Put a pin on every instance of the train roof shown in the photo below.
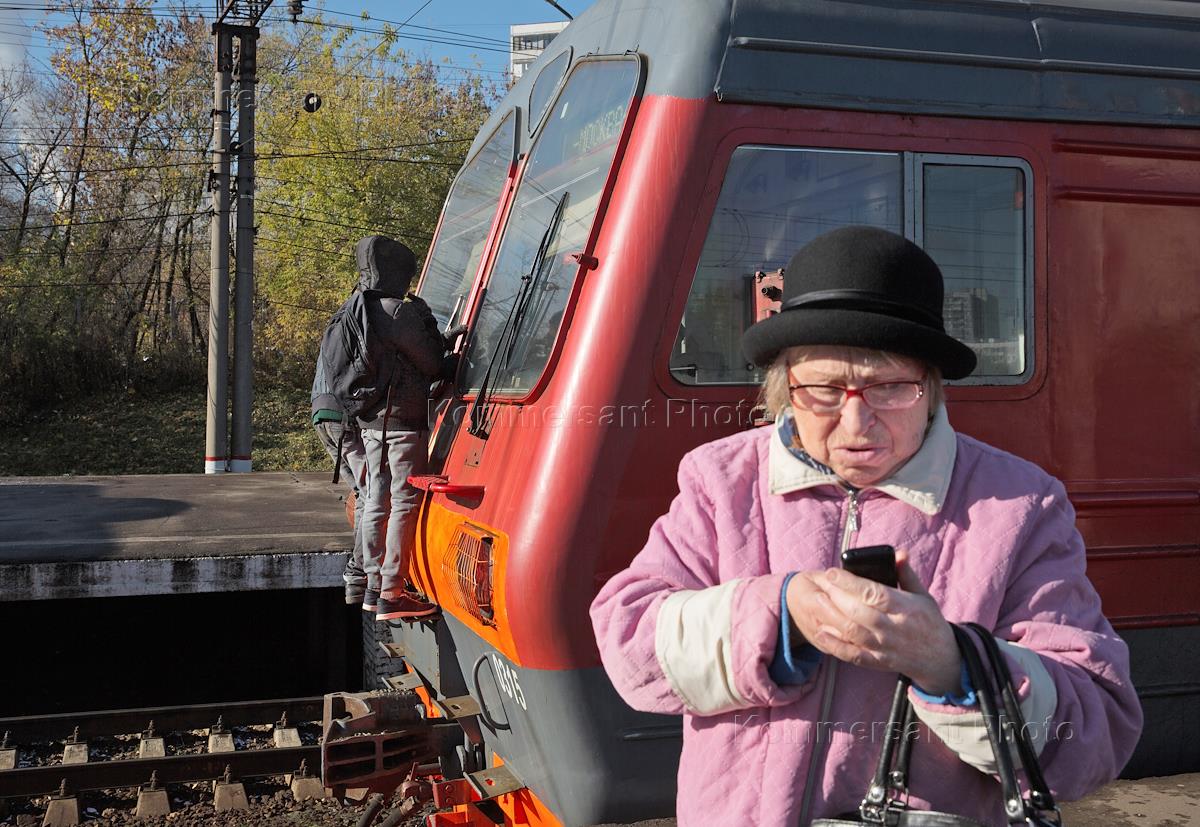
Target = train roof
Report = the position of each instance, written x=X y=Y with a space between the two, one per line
x=1106 y=61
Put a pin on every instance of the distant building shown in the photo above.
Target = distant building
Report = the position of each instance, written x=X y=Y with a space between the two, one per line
x=1002 y=358
x=972 y=315
x=528 y=41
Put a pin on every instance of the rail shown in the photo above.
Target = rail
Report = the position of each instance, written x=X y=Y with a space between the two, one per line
x=165 y=718
x=31 y=732
x=173 y=769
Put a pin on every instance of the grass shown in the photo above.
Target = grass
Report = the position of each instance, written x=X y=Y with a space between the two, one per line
x=158 y=431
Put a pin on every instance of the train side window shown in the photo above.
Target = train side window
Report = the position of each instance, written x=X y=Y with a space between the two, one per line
x=971 y=217
x=969 y=212
x=467 y=217
x=772 y=202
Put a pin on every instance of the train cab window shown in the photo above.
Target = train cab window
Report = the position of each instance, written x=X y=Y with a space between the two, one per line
x=553 y=209
x=773 y=201
x=968 y=212
x=544 y=88
x=470 y=209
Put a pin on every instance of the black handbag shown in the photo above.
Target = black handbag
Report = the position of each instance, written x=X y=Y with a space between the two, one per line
x=885 y=801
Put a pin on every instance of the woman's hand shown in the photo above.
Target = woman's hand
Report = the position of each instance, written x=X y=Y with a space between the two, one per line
x=867 y=624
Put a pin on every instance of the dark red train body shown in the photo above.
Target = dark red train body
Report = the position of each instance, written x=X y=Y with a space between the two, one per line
x=602 y=243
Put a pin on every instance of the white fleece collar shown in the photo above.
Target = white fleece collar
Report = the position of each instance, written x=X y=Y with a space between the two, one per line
x=922 y=482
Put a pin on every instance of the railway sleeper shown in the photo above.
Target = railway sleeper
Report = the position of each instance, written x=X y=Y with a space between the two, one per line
x=229 y=794
x=8 y=755
x=152 y=800
x=78 y=773
x=75 y=751
x=30 y=782
x=305 y=786
x=220 y=739
x=62 y=810
x=151 y=745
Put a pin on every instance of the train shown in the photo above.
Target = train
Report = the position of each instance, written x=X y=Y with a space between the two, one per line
x=626 y=212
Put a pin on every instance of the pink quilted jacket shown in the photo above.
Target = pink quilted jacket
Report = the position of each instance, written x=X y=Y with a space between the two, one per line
x=992 y=537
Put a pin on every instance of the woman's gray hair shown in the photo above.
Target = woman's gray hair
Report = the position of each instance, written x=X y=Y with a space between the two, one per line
x=775 y=395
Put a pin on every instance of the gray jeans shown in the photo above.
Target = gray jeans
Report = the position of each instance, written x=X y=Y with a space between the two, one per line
x=354 y=476
x=389 y=523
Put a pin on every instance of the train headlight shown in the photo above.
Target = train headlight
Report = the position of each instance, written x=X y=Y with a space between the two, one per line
x=467 y=567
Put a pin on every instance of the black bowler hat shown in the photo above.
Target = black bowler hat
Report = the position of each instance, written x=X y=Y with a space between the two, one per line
x=862 y=287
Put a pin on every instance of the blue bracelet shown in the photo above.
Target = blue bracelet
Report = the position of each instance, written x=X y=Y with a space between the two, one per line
x=790 y=668
x=967 y=698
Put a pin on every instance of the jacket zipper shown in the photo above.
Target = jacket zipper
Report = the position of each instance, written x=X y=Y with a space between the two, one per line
x=818 y=757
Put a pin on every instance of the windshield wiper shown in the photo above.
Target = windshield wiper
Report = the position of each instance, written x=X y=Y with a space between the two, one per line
x=482 y=412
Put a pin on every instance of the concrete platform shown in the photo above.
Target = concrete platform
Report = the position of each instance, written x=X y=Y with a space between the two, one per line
x=66 y=537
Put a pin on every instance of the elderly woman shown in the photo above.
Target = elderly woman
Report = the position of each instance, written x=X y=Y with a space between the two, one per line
x=737 y=614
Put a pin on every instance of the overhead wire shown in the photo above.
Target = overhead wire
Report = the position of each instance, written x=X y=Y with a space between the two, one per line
x=326 y=311
x=283 y=243
x=384 y=41
x=482 y=38
x=104 y=221
x=418 y=38
x=462 y=39
x=78 y=284
x=303 y=218
x=318 y=152
x=280 y=157
x=388 y=218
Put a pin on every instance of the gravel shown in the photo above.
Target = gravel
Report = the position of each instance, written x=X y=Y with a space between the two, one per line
x=270 y=799
x=271 y=805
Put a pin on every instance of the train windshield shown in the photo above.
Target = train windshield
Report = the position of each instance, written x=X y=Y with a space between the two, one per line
x=552 y=214
x=468 y=216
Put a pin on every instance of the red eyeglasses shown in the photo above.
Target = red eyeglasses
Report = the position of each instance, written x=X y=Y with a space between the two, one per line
x=881 y=396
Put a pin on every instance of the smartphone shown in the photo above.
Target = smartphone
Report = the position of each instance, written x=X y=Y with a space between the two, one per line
x=876 y=563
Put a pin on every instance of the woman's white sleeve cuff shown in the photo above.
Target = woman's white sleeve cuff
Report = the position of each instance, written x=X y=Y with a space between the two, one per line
x=965 y=732
x=694 y=646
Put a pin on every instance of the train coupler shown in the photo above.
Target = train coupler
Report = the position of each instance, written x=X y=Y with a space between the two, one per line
x=372 y=740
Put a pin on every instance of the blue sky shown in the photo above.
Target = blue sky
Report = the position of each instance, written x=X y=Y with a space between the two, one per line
x=479 y=26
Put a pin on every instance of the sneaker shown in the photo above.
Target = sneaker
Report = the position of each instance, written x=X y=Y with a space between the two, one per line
x=404 y=606
x=370 y=601
x=355 y=593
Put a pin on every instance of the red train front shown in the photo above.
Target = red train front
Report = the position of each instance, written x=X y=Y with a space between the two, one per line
x=619 y=223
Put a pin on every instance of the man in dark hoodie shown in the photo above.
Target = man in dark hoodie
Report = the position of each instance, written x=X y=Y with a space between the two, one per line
x=395 y=432
x=344 y=444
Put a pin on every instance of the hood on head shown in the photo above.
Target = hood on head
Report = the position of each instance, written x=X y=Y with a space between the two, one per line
x=384 y=265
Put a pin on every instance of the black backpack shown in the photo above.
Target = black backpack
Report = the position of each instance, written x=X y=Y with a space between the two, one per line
x=357 y=369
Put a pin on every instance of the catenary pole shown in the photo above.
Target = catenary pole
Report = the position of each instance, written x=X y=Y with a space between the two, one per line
x=216 y=446
x=243 y=297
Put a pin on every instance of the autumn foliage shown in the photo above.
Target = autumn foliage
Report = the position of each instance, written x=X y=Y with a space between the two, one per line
x=104 y=206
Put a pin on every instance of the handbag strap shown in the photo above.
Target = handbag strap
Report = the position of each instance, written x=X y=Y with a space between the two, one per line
x=1017 y=730
x=985 y=691
x=899 y=776
x=873 y=807
x=891 y=772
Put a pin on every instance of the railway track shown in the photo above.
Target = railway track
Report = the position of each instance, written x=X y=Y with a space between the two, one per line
x=161 y=760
